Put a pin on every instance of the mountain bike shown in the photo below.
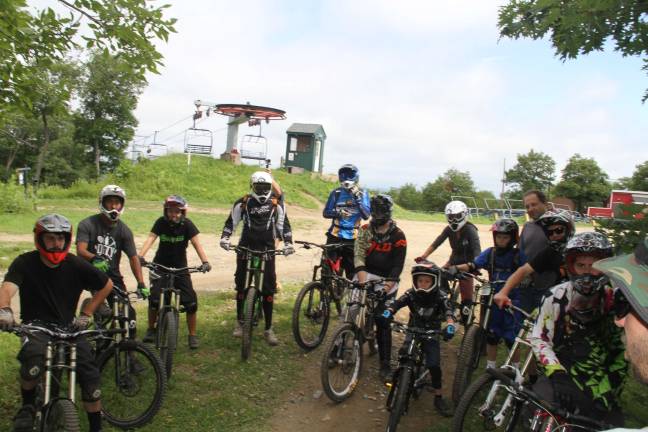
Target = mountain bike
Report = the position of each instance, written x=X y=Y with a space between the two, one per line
x=474 y=339
x=132 y=375
x=547 y=417
x=253 y=299
x=56 y=412
x=486 y=405
x=312 y=309
x=342 y=360
x=411 y=375
x=168 y=313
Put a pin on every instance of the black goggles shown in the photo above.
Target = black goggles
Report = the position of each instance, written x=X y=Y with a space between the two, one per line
x=622 y=306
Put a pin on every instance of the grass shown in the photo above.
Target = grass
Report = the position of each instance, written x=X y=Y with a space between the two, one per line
x=211 y=388
x=10 y=250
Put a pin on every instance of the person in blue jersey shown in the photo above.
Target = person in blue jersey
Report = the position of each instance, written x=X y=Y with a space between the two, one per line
x=500 y=261
x=347 y=206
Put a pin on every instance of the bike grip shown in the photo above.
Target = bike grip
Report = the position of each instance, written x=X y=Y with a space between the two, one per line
x=386 y=313
x=115 y=331
x=497 y=373
x=450 y=328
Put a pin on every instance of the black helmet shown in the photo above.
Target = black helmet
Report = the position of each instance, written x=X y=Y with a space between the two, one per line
x=506 y=226
x=590 y=244
x=178 y=202
x=427 y=269
x=553 y=217
x=381 y=209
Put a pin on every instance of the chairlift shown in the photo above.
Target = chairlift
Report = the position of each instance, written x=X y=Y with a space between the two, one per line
x=254 y=147
x=198 y=141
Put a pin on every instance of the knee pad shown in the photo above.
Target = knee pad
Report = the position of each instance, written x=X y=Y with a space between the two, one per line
x=90 y=393
x=191 y=308
x=32 y=369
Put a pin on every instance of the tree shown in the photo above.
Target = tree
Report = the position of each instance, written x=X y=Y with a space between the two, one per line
x=29 y=37
x=105 y=123
x=407 y=196
x=534 y=170
x=437 y=194
x=583 y=181
x=639 y=179
x=580 y=26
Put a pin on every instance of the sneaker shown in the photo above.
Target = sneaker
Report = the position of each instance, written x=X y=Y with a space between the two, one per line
x=149 y=337
x=238 y=330
x=24 y=419
x=270 y=337
x=193 y=342
x=442 y=406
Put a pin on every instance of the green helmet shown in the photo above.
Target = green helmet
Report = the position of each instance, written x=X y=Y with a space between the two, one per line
x=630 y=273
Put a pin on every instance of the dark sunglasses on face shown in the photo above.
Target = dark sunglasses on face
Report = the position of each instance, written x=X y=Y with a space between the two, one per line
x=557 y=231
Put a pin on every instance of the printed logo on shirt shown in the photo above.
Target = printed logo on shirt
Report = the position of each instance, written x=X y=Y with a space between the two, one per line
x=259 y=210
x=379 y=247
x=106 y=246
x=171 y=239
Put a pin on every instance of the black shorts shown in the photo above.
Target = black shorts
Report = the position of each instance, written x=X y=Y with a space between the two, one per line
x=32 y=365
x=183 y=282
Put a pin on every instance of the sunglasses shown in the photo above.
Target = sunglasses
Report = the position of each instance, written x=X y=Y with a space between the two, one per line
x=557 y=231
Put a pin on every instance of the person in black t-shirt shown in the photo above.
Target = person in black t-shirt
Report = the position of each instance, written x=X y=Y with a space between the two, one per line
x=175 y=231
x=49 y=282
x=380 y=252
x=559 y=228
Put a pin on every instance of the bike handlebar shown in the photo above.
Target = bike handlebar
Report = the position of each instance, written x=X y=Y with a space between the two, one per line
x=258 y=252
x=308 y=245
x=551 y=408
x=404 y=328
x=63 y=334
x=172 y=270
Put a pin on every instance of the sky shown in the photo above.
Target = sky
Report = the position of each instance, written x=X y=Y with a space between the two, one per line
x=404 y=90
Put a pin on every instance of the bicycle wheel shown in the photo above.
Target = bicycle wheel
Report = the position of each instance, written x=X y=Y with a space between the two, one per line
x=310 y=318
x=248 y=322
x=467 y=361
x=61 y=416
x=133 y=382
x=168 y=339
x=399 y=398
x=342 y=363
x=481 y=407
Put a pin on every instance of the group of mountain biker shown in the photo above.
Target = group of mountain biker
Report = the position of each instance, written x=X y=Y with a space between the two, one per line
x=548 y=267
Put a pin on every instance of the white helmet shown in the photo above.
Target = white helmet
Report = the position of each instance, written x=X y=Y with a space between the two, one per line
x=108 y=191
x=261 y=186
x=456 y=213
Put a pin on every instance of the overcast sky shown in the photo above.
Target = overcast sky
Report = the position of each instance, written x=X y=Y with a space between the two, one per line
x=405 y=90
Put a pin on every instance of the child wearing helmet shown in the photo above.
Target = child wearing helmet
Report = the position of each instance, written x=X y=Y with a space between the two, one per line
x=264 y=219
x=175 y=231
x=49 y=281
x=347 y=206
x=575 y=339
x=103 y=237
x=464 y=241
x=559 y=228
x=380 y=253
x=500 y=261
x=429 y=306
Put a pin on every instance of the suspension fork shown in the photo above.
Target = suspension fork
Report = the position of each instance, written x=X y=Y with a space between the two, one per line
x=49 y=354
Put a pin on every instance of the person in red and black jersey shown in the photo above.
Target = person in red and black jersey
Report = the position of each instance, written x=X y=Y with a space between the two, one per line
x=380 y=253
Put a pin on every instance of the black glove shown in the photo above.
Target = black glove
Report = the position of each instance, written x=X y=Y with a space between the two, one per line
x=82 y=322
x=452 y=271
x=563 y=388
x=205 y=267
x=6 y=319
x=142 y=261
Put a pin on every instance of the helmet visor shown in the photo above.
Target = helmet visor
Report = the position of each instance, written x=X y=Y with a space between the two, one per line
x=347 y=175
x=261 y=188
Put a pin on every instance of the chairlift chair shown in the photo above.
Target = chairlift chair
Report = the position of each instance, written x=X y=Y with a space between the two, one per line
x=198 y=141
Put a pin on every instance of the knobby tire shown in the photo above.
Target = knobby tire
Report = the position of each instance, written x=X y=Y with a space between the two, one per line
x=248 y=322
x=311 y=295
x=469 y=353
x=351 y=361
x=400 y=398
x=61 y=415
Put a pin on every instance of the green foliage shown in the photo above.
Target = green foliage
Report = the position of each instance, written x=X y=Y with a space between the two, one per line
x=407 y=196
x=639 y=179
x=579 y=27
x=13 y=198
x=534 y=170
x=32 y=38
x=583 y=181
x=207 y=181
x=437 y=194
x=628 y=227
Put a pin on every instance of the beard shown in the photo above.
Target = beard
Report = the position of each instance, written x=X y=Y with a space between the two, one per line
x=637 y=355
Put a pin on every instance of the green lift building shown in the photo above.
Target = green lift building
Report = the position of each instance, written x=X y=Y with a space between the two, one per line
x=305 y=147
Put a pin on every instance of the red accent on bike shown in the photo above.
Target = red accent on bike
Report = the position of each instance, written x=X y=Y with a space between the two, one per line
x=335 y=265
